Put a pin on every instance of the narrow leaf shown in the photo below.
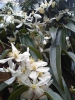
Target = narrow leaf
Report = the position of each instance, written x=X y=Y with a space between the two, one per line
x=4 y=53
x=3 y=85
x=58 y=65
x=61 y=39
x=70 y=26
x=26 y=40
x=72 y=55
x=52 y=95
x=73 y=18
x=62 y=93
x=69 y=54
x=53 y=62
x=6 y=83
x=53 y=32
x=68 y=97
x=18 y=92
x=36 y=52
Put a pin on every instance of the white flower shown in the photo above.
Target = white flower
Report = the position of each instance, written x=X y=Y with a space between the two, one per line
x=50 y=2
x=37 y=16
x=53 y=4
x=44 y=42
x=12 y=68
x=8 y=19
x=11 y=64
x=18 y=73
x=46 y=4
x=18 y=13
x=18 y=26
x=68 y=42
x=25 y=72
x=42 y=76
x=15 y=54
x=5 y=60
x=36 y=88
x=2 y=25
x=25 y=19
x=37 y=67
x=21 y=71
x=40 y=9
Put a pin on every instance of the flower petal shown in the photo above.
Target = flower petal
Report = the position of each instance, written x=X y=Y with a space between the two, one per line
x=18 y=26
x=2 y=70
x=33 y=75
x=23 y=57
x=5 y=60
x=38 y=92
x=25 y=76
x=26 y=82
x=28 y=94
x=41 y=63
x=43 y=69
x=43 y=82
x=11 y=64
x=14 y=49
x=45 y=75
x=5 y=69
x=9 y=81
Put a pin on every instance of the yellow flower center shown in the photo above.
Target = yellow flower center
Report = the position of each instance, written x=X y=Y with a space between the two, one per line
x=34 y=68
x=22 y=20
x=53 y=4
x=41 y=10
x=11 y=54
x=19 y=81
x=46 y=3
x=31 y=60
x=9 y=12
x=33 y=86
x=2 y=21
x=23 y=71
x=15 y=55
x=40 y=74
x=32 y=12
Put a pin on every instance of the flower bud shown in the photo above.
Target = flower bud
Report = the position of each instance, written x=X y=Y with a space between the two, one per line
x=53 y=4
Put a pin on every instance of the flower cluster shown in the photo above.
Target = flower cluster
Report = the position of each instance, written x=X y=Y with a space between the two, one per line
x=20 y=18
x=44 y=31
x=27 y=71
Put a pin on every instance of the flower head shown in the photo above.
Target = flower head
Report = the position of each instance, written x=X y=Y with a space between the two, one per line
x=37 y=67
x=36 y=88
x=16 y=55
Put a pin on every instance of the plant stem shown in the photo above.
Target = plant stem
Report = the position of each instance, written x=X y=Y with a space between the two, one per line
x=40 y=96
x=32 y=96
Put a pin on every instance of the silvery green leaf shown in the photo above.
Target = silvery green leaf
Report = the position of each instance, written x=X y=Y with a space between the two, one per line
x=6 y=83
x=61 y=39
x=53 y=32
x=72 y=55
x=55 y=61
x=70 y=26
x=52 y=95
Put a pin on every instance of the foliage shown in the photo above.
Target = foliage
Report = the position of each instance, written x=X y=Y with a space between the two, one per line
x=49 y=33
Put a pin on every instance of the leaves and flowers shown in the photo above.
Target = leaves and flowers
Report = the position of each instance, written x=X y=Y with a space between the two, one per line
x=36 y=41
